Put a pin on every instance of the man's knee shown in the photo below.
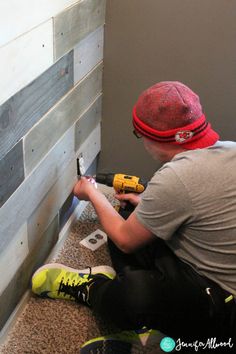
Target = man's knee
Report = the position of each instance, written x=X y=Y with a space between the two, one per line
x=140 y=290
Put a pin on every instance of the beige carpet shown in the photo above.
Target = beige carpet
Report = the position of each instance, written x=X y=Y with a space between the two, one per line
x=58 y=326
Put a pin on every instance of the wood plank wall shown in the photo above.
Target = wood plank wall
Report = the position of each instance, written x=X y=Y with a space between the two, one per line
x=50 y=114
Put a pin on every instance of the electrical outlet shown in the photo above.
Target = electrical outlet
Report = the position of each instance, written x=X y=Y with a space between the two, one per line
x=95 y=240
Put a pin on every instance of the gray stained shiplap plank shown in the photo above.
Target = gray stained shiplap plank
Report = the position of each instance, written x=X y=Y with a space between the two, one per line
x=51 y=204
x=87 y=122
x=88 y=53
x=77 y=22
x=90 y=147
x=13 y=256
x=56 y=196
x=20 y=113
x=72 y=202
x=30 y=193
x=20 y=281
x=53 y=125
x=11 y=172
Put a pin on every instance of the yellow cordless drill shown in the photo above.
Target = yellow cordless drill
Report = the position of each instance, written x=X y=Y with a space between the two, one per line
x=123 y=184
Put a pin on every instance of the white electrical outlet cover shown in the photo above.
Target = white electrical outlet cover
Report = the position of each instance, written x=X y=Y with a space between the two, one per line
x=94 y=240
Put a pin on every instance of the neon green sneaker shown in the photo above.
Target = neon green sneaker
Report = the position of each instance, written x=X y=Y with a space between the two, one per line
x=57 y=281
x=125 y=342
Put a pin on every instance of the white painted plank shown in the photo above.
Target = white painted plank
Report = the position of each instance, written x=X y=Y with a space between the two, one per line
x=88 y=121
x=18 y=17
x=25 y=58
x=13 y=256
x=34 y=188
x=88 y=53
x=49 y=207
x=57 y=195
x=91 y=147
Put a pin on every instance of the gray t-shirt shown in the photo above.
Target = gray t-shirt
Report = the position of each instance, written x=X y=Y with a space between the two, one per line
x=191 y=203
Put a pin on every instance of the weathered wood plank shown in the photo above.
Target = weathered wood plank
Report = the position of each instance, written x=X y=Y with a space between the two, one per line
x=77 y=22
x=26 y=198
x=87 y=122
x=13 y=256
x=15 y=19
x=67 y=209
x=40 y=139
x=24 y=109
x=60 y=191
x=91 y=147
x=72 y=202
x=24 y=59
x=11 y=172
x=88 y=53
x=20 y=281
x=49 y=207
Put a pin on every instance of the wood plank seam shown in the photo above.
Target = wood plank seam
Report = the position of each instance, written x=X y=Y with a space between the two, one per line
x=21 y=112
x=25 y=58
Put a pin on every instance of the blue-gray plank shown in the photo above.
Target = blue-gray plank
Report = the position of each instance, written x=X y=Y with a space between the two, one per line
x=34 y=188
x=11 y=172
x=26 y=107
x=20 y=282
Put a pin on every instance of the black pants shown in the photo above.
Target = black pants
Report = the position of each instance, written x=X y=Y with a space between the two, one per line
x=153 y=288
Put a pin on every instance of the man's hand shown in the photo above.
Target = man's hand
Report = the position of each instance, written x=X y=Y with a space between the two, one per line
x=84 y=188
x=133 y=198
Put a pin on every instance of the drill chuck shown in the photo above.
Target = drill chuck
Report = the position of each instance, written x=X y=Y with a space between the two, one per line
x=105 y=178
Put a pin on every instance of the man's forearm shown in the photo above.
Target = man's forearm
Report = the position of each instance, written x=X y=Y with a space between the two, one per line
x=128 y=235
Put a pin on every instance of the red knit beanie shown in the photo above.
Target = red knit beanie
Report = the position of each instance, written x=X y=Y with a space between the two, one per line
x=170 y=112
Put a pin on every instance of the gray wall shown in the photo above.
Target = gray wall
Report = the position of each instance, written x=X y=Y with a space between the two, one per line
x=147 y=41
